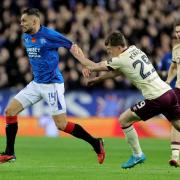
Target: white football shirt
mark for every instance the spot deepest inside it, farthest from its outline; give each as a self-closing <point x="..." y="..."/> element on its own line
<point x="176" y="59"/>
<point x="135" y="65"/>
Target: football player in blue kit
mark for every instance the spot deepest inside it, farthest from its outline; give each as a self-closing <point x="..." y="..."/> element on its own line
<point x="42" y="45"/>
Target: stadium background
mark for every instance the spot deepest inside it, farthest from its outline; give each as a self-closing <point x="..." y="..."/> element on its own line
<point x="146" y="23"/>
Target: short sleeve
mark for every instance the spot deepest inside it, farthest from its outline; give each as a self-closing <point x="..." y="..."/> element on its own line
<point x="113" y="63"/>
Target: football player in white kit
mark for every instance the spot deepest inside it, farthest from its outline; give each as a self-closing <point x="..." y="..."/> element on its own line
<point x="159" y="97"/>
<point x="174" y="70"/>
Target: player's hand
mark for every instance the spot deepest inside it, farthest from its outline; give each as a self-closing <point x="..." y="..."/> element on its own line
<point x="86" y="72"/>
<point x="93" y="81"/>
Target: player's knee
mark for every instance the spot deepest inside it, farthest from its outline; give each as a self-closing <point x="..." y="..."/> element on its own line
<point x="122" y="121"/>
<point x="125" y="121"/>
<point x="61" y="124"/>
<point x="9" y="111"/>
<point x="176" y="124"/>
<point x="60" y="121"/>
<point x="178" y="127"/>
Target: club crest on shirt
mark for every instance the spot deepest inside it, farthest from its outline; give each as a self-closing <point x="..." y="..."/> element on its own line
<point x="43" y="40"/>
<point x="109" y="61"/>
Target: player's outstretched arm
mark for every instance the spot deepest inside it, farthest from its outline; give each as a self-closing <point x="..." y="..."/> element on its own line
<point x="101" y="78"/>
<point x="172" y="72"/>
<point x="101" y="66"/>
<point x="77" y="52"/>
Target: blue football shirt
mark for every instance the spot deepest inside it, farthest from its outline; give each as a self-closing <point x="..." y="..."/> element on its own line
<point x="42" y="49"/>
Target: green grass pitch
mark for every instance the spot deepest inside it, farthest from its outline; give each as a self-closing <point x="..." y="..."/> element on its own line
<point x="72" y="159"/>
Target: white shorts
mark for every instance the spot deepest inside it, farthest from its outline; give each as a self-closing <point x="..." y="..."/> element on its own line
<point x="53" y="94"/>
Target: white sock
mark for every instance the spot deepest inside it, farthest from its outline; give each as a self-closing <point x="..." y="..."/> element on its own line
<point x="175" y="147"/>
<point x="175" y="154"/>
<point x="133" y="141"/>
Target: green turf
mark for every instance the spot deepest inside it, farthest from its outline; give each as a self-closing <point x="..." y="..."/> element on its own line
<point x="73" y="159"/>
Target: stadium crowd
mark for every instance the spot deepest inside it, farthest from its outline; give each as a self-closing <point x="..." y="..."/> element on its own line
<point x="145" y="23"/>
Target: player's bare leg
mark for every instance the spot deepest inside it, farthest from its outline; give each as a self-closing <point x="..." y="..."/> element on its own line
<point x="11" y="130"/>
<point x="175" y="148"/>
<point x="126" y="119"/>
<point x="77" y="131"/>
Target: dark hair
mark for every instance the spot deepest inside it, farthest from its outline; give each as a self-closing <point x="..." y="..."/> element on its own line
<point x="32" y="11"/>
<point x="177" y="22"/>
<point x="115" y="39"/>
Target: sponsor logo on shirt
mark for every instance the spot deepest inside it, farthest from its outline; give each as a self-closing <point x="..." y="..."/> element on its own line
<point x="33" y="52"/>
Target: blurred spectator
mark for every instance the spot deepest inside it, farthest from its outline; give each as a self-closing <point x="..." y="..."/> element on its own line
<point x="147" y="24"/>
<point x="109" y="106"/>
<point x="3" y="77"/>
<point x="48" y="124"/>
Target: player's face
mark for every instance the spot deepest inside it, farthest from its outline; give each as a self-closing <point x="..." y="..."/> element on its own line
<point x="113" y="51"/>
<point x="177" y="31"/>
<point x="175" y="40"/>
<point x="27" y="23"/>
